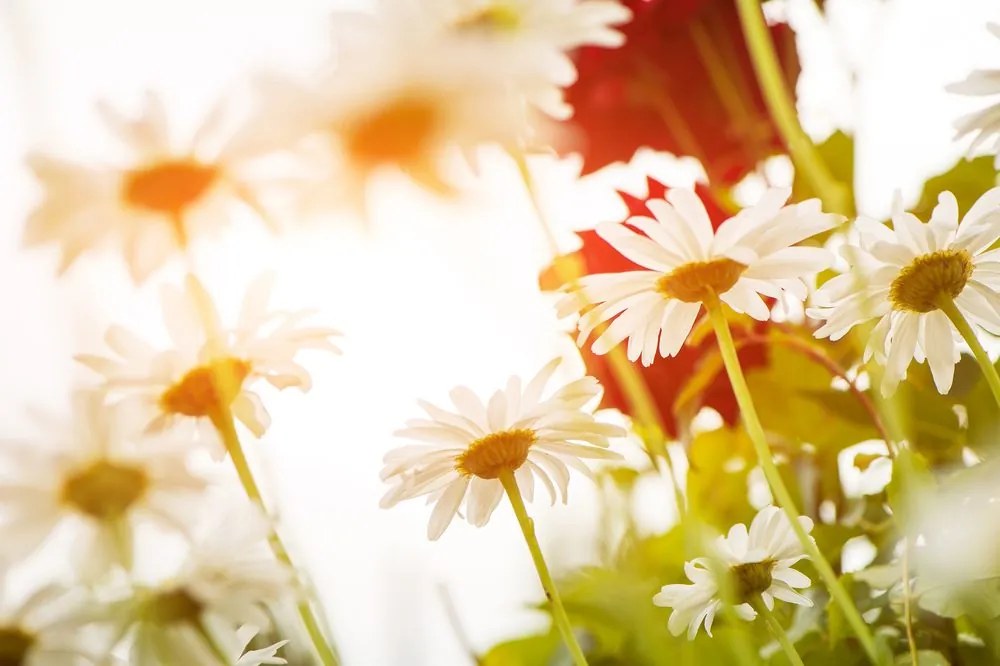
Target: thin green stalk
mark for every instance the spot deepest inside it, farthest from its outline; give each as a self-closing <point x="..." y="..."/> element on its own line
<point x="961" y="323"/>
<point x="779" y="633"/>
<point x="908" y="604"/>
<point x="227" y="431"/>
<point x="782" y="108"/>
<point x="528" y="529"/>
<point x="781" y="494"/>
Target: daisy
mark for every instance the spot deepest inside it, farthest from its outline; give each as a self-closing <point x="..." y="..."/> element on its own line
<point x="198" y="615"/>
<point x="750" y="255"/>
<point x="196" y="380"/>
<point x="759" y="564"/>
<point x="98" y="477"/>
<point x="516" y="432"/>
<point x="985" y="123"/>
<point x="902" y="276"/>
<point x="151" y="204"/>
<point x="267" y="655"/>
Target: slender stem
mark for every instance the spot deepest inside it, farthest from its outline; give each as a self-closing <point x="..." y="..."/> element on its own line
<point x="528" y="529"/>
<point x="782" y="108"/>
<point x="962" y="324"/>
<point x="212" y="644"/>
<point x="227" y="431"/>
<point x="781" y="494"/>
<point x="908" y="603"/>
<point x="779" y="633"/>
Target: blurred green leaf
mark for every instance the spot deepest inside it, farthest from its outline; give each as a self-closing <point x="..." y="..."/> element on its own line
<point x="837" y="152"/>
<point x="720" y="461"/>
<point x="967" y="180"/>
<point x="531" y="651"/>
<point x="911" y="479"/>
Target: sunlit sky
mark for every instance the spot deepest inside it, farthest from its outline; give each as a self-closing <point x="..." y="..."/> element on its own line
<point x="431" y="295"/>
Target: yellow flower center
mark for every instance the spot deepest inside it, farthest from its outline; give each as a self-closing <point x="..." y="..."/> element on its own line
<point x="171" y="607"/>
<point x="698" y="281"/>
<point x="930" y="277"/>
<point x="750" y="579"/>
<point x="206" y="389"/>
<point x="168" y="187"/>
<point x="14" y="646"/>
<point x="494" y="18"/>
<point x="105" y="490"/>
<point x="498" y="452"/>
<point x="398" y="133"/>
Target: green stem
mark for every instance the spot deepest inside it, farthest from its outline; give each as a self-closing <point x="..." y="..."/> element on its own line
<point x="779" y="633"/>
<point x="781" y="494"/>
<point x="528" y="529"/>
<point x="782" y="108"/>
<point x="227" y="431"/>
<point x="962" y="324"/>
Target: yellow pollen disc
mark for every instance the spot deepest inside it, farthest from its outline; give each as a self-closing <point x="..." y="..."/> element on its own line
<point x="168" y="187"/>
<point x="498" y="17"/>
<point x="749" y="580"/>
<point x="105" y="490"/>
<point x="698" y="281"/>
<point x="205" y="390"/>
<point x="14" y="646"/>
<point x="930" y="277"/>
<point x="498" y="452"/>
<point x="400" y="132"/>
<point x="172" y="607"/>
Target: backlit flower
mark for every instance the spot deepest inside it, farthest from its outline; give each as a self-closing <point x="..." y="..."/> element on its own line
<point x="266" y="655"/>
<point x="901" y="275"/>
<point x="40" y="629"/>
<point x="518" y="432"/>
<point x="98" y="477"/>
<point x="152" y="204"/>
<point x="688" y="263"/>
<point x="202" y="375"/>
<point x="759" y="565"/>
<point x="985" y="123"/>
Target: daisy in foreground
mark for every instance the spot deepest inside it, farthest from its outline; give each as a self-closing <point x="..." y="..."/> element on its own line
<point x="41" y="630"/>
<point x="759" y="565"/>
<point x="204" y="375"/>
<point x="152" y="204"/>
<point x="688" y="264"/>
<point x="985" y="123"/>
<point x="97" y="477"/>
<point x="476" y="454"/>
<point x="919" y="280"/>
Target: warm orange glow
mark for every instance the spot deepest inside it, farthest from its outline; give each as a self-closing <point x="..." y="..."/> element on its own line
<point x="168" y="187"/>
<point x="401" y="132"/>
<point x="203" y="390"/>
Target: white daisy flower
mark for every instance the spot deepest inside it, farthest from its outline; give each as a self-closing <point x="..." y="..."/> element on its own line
<point x="985" y="123"/>
<point x="98" y="477"/>
<point x="41" y="630"/>
<point x="900" y="277"/>
<point x="750" y="255"/>
<point x="759" y="564"/>
<point x="516" y="432"/>
<point x="267" y="655"/>
<point x="152" y="204"/>
<point x="193" y="380"/>
<point x="198" y="615"/>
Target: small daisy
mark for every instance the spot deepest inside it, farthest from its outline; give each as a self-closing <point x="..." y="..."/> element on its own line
<point x="517" y="432"/>
<point x="97" y="476"/>
<point x="985" y="123"/>
<point x="750" y="255"/>
<point x="198" y="615"/>
<point x="759" y="563"/>
<point x="40" y="630"/>
<point x="902" y="275"/>
<point x="152" y="204"/>
<point x="267" y="655"/>
<point x="196" y="379"/>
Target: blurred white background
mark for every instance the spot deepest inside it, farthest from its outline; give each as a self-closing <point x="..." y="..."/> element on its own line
<point x="432" y="294"/>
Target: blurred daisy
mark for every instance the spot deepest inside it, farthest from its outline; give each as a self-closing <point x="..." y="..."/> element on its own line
<point x="531" y="39"/>
<point x="153" y="203"/>
<point x="98" y="478"/>
<point x="198" y="378"/>
<point x="902" y="275"/>
<point x="40" y="630"/>
<point x="267" y="655"/>
<point x="759" y="565"/>
<point x="750" y="255"/>
<point x="517" y="432"/>
<point x="198" y="616"/>
<point x="985" y="123"/>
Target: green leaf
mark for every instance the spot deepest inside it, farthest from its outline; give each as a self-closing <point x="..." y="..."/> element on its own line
<point x="837" y="152"/>
<point x="911" y="479"/>
<point x="967" y="180"/>
<point x="531" y="651"/>
<point x="924" y="658"/>
<point x="720" y="461"/>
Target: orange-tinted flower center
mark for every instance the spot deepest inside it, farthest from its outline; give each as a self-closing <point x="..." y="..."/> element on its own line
<point x="168" y="187"/>
<point x="206" y="389"/>
<point x="698" y="281"/>
<point x="14" y="646"/>
<point x="105" y="490"/>
<point x="174" y="606"/>
<point x="498" y="452"/>
<point x="930" y="277"/>
<point x="400" y="132"/>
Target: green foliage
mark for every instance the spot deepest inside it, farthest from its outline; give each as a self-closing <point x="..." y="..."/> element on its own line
<point x="837" y="152"/>
<point x="530" y="651"/>
<point x="967" y="180"/>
